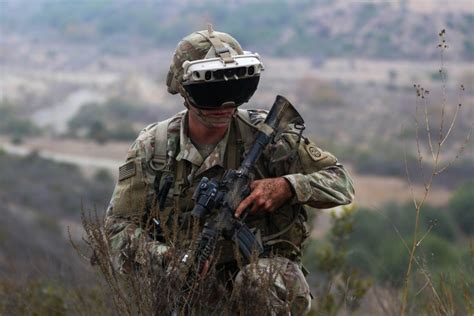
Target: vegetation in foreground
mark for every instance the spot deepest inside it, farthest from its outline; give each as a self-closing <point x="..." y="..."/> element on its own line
<point x="361" y="258"/>
<point x="365" y="253"/>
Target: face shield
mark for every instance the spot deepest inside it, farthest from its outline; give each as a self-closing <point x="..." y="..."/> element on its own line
<point x="212" y="82"/>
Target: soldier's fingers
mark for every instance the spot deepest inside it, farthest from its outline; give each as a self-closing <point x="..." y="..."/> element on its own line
<point x="269" y="206"/>
<point x="261" y="200"/>
<point x="243" y="205"/>
<point x="255" y="208"/>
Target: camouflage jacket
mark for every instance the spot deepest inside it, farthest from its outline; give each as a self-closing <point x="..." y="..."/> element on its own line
<point x="316" y="177"/>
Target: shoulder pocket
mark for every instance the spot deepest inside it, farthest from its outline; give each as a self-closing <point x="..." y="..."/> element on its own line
<point x="127" y="170"/>
<point x="315" y="159"/>
<point x="314" y="152"/>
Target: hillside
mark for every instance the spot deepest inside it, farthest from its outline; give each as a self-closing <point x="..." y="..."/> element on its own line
<point x="80" y="79"/>
<point x="318" y="29"/>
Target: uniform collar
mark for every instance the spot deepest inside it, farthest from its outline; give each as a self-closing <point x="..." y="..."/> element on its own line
<point x="190" y="153"/>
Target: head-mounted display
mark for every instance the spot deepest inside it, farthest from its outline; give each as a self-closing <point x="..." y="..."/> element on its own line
<point x="211" y="82"/>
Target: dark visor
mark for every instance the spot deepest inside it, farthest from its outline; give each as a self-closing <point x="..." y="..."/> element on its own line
<point x="214" y="94"/>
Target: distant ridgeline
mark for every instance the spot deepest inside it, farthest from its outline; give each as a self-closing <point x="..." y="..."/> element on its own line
<point x="319" y="29"/>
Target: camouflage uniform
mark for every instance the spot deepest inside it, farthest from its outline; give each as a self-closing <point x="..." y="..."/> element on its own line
<point x="288" y="292"/>
<point x="316" y="178"/>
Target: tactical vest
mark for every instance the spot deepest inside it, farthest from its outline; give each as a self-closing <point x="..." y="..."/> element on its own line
<point x="282" y="232"/>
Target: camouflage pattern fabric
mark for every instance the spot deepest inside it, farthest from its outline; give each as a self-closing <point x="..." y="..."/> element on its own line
<point x="193" y="47"/>
<point x="190" y="153"/>
<point x="287" y="289"/>
<point x="316" y="177"/>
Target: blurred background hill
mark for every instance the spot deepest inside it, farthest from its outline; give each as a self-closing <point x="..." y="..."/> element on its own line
<point x="79" y="79"/>
<point x="317" y="29"/>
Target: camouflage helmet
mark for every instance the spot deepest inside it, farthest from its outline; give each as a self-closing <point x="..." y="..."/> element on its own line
<point x="196" y="46"/>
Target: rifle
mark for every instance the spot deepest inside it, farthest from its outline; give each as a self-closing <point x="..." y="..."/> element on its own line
<point x="225" y="195"/>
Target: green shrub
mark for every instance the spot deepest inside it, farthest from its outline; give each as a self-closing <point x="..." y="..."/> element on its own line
<point x="391" y="262"/>
<point x="439" y="254"/>
<point x="339" y="285"/>
<point x="376" y="247"/>
<point x="441" y="220"/>
<point x="11" y="123"/>
<point x="112" y="120"/>
<point x="461" y="205"/>
<point x="63" y="187"/>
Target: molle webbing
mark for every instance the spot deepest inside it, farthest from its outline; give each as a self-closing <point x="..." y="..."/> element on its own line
<point x="159" y="162"/>
<point x="234" y="148"/>
<point x="221" y="50"/>
<point x="160" y="152"/>
<point x="271" y="239"/>
<point x="245" y="127"/>
<point x="241" y="134"/>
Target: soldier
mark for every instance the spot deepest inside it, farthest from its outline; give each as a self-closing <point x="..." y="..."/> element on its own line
<point x="215" y="76"/>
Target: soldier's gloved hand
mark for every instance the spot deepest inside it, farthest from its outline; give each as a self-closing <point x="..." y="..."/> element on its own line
<point x="267" y="195"/>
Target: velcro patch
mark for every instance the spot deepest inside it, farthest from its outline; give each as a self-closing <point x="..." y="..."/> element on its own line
<point x="127" y="170"/>
<point x="314" y="152"/>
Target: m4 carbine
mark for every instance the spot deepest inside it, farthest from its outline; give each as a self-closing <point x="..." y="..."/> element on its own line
<point x="226" y="195"/>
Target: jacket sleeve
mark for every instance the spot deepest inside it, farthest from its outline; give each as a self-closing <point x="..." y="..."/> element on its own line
<point x="128" y="240"/>
<point x="316" y="177"/>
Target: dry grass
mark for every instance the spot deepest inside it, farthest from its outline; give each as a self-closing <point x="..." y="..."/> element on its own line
<point x="171" y="287"/>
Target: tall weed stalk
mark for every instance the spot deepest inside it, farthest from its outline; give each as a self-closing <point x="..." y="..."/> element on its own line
<point x="432" y="150"/>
